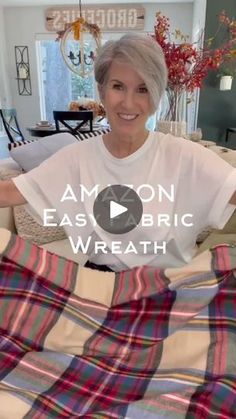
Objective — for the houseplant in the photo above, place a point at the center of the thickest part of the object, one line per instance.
(189, 63)
(227, 70)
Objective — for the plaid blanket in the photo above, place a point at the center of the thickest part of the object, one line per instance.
(144, 343)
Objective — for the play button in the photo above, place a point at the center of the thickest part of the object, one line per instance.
(117, 209)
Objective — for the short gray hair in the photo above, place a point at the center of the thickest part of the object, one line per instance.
(143, 54)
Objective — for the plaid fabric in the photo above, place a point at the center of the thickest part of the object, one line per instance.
(144, 343)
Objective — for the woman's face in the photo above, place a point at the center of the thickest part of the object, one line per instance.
(126, 100)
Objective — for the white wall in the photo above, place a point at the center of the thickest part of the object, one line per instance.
(5, 96)
(22, 25)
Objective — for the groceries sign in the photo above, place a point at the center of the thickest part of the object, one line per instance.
(107, 17)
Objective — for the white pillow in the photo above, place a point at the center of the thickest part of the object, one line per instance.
(29, 154)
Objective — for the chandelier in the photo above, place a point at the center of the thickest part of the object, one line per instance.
(79, 56)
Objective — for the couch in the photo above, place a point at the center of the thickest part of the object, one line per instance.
(62, 247)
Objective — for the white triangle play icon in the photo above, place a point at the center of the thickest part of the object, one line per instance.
(116, 209)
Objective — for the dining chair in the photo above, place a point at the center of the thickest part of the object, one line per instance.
(11, 125)
(74, 121)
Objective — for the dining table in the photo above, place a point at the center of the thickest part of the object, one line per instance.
(43, 131)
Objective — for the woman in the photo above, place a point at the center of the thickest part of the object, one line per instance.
(131, 76)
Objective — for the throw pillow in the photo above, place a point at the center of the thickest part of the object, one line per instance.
(29, 229)
(29, 154)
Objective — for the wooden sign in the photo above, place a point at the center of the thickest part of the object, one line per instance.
(108, 17)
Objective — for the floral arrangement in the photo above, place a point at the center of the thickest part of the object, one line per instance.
(88, 105)
(187, 64)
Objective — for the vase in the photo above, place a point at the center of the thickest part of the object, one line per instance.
(173, 113)
(176, 128)
(226, 82)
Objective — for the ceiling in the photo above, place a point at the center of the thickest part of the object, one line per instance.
(16, 3)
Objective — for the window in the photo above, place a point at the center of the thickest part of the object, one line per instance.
(58, 86)
(1, 124)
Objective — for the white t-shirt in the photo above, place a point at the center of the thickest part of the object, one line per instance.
(203, 183)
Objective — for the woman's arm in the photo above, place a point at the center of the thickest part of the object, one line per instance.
(10, 195)
(233, 199)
